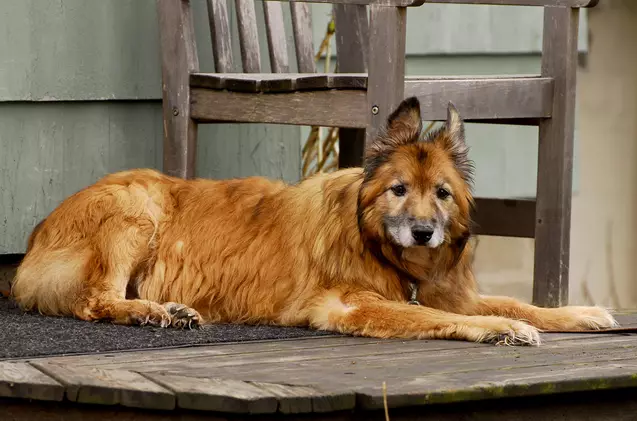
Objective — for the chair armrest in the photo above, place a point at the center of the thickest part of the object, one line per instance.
(411, 3)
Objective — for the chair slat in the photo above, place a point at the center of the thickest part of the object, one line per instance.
(275, 31)
(302, 28)
(220, 33)
(248, 36)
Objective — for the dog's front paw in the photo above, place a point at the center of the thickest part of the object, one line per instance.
(501, 331)
(585, 318)
(183, 316)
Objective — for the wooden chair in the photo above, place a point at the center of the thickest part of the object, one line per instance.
(372, 82)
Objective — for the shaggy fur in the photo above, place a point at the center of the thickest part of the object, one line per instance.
(337, 251)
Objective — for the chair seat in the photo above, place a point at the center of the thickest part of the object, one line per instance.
(278, 82)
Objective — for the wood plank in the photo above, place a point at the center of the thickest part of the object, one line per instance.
(303, 42)
(223, 395)
(525, 97)
(555, 160)
(220, 35)
(275, 33)
(352, 42)
(278, 82)
(484, 98)
(248, 36)
(406, 3)
(386, 67)
(20, 380)
(302, 399)
(109, 387)
(425, 357)
(340, 108)
(522, 382)
(553, 3)
(504, 217)
(179, 59)
(236, 396)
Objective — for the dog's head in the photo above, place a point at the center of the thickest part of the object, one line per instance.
(416, 190)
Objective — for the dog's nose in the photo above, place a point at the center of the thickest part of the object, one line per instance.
(422, 235)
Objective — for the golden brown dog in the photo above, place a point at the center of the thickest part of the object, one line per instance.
(344, 252)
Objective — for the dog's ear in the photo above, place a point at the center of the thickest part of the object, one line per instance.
(454, 142)
(403, 127)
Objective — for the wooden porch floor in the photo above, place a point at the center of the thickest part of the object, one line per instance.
(570, 376)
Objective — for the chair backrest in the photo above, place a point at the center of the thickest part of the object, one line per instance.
(249, 37)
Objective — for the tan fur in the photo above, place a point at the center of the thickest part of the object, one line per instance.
(141, 247)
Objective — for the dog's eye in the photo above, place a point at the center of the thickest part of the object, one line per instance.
(399, 190)
(443, 193)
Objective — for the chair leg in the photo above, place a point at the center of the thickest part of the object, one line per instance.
(352, 39)
(386, 83)
(555, 161)
(179, 59)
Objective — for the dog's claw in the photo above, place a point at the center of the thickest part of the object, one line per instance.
(183, 316)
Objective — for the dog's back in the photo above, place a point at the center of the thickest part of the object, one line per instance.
(116, 217)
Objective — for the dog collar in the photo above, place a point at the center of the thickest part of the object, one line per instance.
(413, 288)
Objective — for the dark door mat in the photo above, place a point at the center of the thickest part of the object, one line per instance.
(25, 335)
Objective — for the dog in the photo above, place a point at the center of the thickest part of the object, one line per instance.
(381, 251)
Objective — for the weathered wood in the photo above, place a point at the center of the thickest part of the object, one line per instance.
(220, 35)
(555, 160)
(340, 108)
(248, 36)
(275, 33)
(303, 43)
(20, 380)
(109, 387)
(386, 84)
(352, 39)
(224, 395)
(302, 399)
(407, 3)
(277, 82)
(521, 98)
(506, 218)
(483, 98)
(509, 383)
(179, 59)
(551, 3)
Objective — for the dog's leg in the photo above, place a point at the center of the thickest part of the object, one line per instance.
(117, 250)
(562, 318)
(367, 314)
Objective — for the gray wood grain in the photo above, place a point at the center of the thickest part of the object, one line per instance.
(321, 108)
(555, 160)
(278, 82)
(275, 33)
(483, 98)
(503, 217)
(406, 3)
(386, 84)
(553, 3)
(20, 380)
(352, 41)
(220, 35)
(248, 36)
(303, 42)
(179, 59)
(213, 394)
(109, 387)
(303, 399)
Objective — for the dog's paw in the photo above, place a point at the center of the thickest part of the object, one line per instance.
(156, 316)
(183, 316)
(502, 331)
(584, 318)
